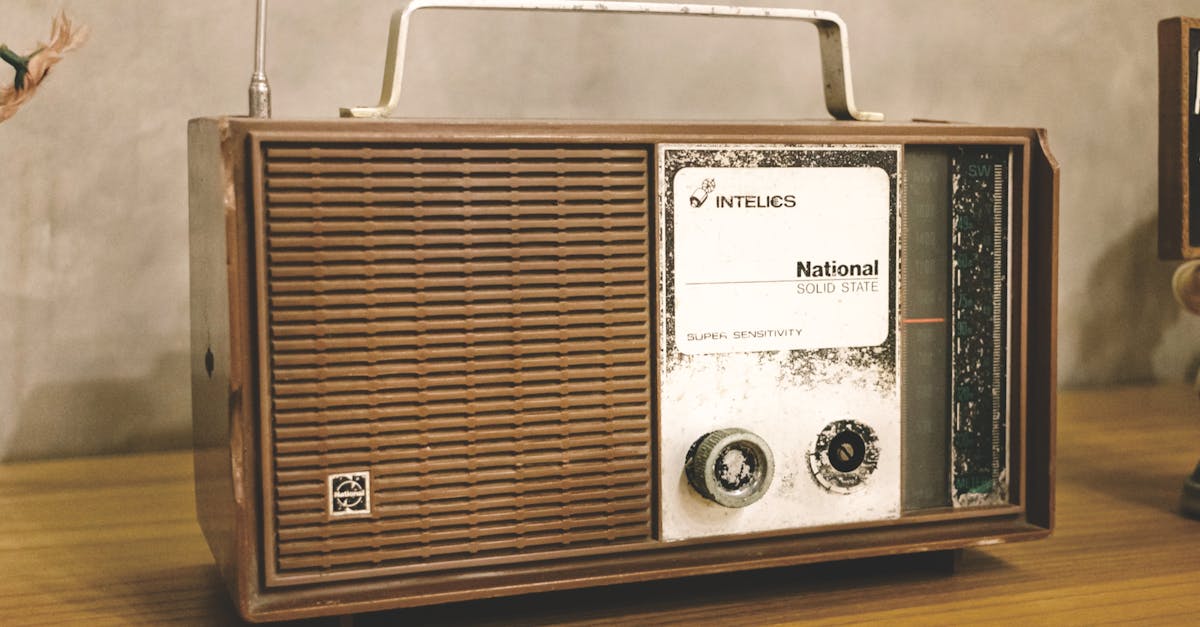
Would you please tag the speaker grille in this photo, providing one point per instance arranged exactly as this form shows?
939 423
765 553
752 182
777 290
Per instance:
472 325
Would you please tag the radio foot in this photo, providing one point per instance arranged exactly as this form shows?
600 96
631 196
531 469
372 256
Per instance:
346 620
946 562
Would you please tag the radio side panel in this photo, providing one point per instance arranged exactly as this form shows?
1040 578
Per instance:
222 399
1041 334
1176 228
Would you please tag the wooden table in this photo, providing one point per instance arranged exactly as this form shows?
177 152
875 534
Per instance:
114 541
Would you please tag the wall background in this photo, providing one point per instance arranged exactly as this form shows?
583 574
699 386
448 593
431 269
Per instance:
93 189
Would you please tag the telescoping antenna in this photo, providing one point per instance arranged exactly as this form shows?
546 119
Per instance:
260 89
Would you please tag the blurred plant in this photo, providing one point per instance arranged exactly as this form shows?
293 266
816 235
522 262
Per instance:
32 69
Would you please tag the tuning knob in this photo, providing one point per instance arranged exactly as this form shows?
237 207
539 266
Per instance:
731 467
844 456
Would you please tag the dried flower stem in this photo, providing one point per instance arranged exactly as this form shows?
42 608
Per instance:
31 70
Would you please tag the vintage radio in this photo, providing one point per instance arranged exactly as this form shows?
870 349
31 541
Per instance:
444 360
1179 177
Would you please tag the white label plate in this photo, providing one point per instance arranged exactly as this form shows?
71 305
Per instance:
781 258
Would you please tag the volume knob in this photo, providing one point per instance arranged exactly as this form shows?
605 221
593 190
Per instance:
731 467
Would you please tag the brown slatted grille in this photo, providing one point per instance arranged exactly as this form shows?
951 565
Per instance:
470 323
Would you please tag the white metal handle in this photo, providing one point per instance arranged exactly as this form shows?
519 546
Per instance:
835 50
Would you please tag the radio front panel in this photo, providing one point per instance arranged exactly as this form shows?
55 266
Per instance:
778 316
781 313
540 353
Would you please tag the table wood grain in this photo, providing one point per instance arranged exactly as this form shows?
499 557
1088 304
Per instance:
114 541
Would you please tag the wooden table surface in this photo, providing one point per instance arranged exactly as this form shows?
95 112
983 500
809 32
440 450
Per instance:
115 541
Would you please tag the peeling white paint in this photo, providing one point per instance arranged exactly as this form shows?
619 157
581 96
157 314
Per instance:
785 389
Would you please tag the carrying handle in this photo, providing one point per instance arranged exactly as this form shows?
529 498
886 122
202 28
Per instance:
835 50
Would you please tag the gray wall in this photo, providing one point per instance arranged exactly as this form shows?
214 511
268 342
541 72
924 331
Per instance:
93 224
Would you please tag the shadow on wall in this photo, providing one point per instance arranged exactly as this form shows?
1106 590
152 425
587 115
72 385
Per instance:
101 416
1129 305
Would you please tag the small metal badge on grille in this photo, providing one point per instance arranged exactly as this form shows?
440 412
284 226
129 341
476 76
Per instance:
350 494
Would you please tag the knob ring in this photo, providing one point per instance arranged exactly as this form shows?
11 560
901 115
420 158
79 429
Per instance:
709 467
833 475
